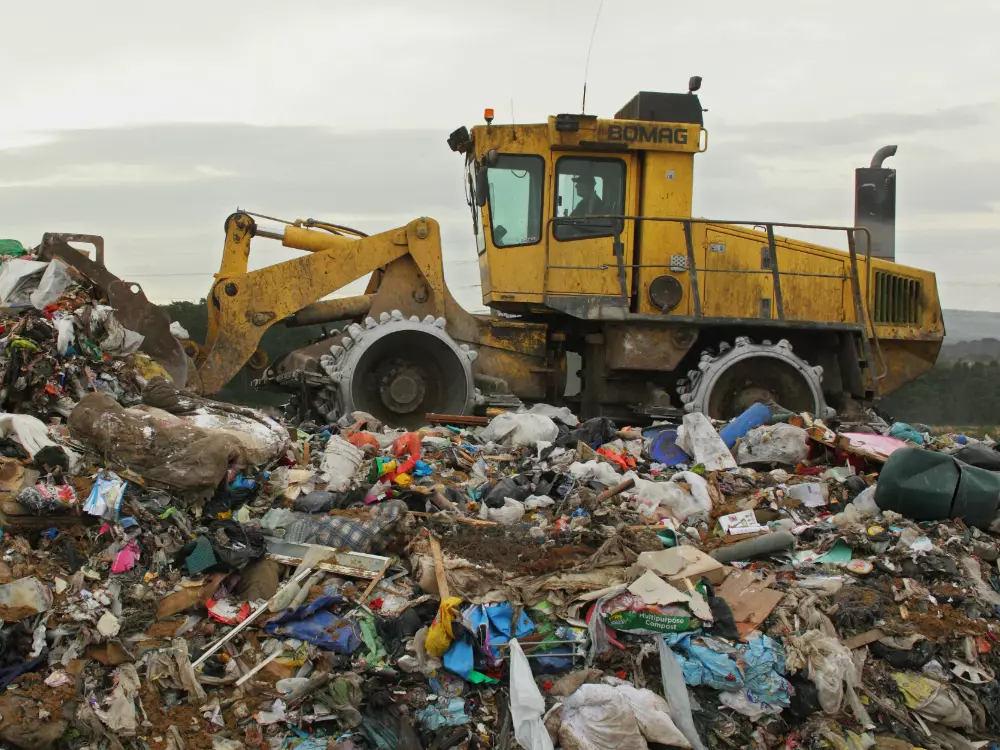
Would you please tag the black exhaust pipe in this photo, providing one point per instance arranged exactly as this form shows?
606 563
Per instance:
875 205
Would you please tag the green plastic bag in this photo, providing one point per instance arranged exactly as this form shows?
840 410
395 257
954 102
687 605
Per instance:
12 248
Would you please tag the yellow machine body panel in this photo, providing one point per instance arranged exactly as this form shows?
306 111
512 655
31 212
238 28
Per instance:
646 171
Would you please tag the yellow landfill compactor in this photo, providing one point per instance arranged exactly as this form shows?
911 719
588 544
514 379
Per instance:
607 294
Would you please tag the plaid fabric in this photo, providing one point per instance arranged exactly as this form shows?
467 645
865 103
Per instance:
342 532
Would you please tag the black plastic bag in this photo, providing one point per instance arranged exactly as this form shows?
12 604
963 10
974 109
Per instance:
594 432
243 544
317 501
914 658
516 488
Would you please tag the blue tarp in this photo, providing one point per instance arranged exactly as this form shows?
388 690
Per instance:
497 618
314 624
755 667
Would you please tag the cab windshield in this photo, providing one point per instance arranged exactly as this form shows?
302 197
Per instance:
515 199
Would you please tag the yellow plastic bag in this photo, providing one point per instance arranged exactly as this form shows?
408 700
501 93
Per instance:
440 635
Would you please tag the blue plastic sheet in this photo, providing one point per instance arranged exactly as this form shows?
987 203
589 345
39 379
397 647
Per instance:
436 715
903 431
314 624
497 619
756 667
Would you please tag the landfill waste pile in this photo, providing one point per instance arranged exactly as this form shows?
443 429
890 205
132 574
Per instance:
181 573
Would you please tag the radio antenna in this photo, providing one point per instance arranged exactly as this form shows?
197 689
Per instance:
586 70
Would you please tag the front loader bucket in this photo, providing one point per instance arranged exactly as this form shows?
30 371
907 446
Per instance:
131 307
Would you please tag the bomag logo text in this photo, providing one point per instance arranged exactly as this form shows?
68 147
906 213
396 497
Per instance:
647 134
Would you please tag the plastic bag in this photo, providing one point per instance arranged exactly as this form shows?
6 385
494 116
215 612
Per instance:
29 431
538 501
55 281
700 501
440 635
828 663
653 716
775 444
526 703
698 439
670 495
511 512
933 700
599 471
678 700
865 502
106 496
597 717
557 413
521 430
339 464
16 277
178 331
66 336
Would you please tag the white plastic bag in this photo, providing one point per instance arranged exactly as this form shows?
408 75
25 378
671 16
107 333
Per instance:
701 500
526 703
29 431
520 430
558 413
653 716
865 502
670 495
17 276
600 471
55 281
178 331
698 439
339 463
774 444
511 512
538 501
66 335
597 717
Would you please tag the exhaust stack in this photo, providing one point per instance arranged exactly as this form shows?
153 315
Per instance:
875 205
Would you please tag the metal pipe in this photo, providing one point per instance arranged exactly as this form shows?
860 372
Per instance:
882 154
331 310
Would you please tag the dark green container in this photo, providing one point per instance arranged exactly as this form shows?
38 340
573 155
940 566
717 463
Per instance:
927 486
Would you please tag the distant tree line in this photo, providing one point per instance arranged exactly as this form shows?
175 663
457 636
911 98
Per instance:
954 392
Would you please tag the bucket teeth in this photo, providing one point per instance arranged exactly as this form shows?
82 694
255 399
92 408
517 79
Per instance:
341 363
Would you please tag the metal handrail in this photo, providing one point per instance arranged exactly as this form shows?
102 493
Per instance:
862 311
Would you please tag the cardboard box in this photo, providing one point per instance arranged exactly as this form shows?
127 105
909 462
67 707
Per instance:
677 563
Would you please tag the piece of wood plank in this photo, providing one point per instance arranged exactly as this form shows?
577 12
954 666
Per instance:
864 639
616 490
442 579
375 580
456 419
259 667
456 519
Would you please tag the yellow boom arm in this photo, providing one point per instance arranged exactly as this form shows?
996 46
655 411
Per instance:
243 304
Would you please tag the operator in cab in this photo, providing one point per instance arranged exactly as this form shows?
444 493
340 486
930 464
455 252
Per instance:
590 202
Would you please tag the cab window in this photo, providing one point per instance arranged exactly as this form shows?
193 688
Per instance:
587 188
515 199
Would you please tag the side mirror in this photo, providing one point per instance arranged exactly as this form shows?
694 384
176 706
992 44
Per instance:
482 185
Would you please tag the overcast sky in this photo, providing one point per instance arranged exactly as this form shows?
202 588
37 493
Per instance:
149 124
